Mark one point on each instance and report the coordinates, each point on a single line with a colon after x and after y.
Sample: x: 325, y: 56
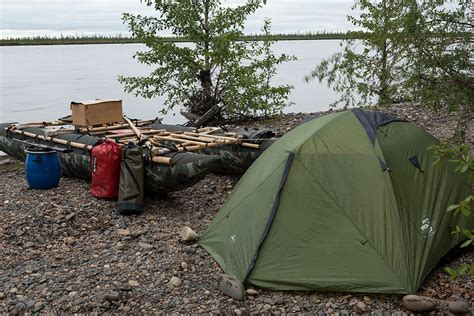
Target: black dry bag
x: 131, y: 187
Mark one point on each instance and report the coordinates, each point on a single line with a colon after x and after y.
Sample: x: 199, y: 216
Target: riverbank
x: 88, y: 40
x: 65, y: 251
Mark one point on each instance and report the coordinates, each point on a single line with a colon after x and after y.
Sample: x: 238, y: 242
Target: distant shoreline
x: 87, y: 40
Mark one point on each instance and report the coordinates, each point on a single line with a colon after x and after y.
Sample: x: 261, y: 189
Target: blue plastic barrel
x: 43, y: 169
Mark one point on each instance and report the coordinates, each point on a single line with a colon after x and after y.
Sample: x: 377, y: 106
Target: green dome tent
x: 349, y: 201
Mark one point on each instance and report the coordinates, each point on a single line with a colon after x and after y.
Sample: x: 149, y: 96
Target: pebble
x: 418, y: 304
x: 19, y: 232
x: 251, y: 292
x: 232, y: 287
x: 72, y: 294
x: 6, y: 162
x: 19, y: 308
x: 28, y: 244
x: 2, y: 295
x: 133, y: 283
x: 175, y: 281
x: 459, y: 307
x: 187, y: 234
x: 362, y: 306
x: 70, y: 216
x: 162, y: 236
x: 145, y: 246
x: 30, y: 303
x: 112, y: 296
x: 123, y: 232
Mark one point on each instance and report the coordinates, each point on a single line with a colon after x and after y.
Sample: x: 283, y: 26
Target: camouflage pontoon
x: 234, y: 159
x: 186, y: 169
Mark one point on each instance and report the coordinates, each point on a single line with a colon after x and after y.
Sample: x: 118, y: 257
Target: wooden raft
x: 159, y: 141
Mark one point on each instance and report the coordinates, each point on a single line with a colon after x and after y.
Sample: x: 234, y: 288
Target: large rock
x: 418, y: 304
x: 232, y: 287
x: 187, y: 234
x: 459, y: 307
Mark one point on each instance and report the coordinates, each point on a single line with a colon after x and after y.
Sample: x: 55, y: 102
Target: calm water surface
x: 38, y: 82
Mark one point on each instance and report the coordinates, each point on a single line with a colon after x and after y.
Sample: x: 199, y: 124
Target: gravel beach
x: 64, y: 251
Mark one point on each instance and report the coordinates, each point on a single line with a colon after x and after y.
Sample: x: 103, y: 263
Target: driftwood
x: 190, y: 116
x: 206, y: 117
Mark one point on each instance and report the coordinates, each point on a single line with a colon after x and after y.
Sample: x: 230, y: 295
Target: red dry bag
x: 105, y: 165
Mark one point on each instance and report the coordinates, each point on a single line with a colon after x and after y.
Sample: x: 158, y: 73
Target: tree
x: 438, y: 40
x: 408, y: 51
x: 462, y: 156
x: 217, y: 68
x: 368, y: 70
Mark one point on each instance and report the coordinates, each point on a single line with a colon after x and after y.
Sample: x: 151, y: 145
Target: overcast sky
x: 70, y: 17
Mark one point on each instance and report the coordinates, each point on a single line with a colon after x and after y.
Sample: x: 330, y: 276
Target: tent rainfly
x: 349, y: 201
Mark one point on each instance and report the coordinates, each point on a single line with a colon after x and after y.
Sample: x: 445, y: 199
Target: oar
x: 58, y: 149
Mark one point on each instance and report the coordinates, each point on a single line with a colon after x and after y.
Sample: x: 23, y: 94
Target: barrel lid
x: 38, y: 150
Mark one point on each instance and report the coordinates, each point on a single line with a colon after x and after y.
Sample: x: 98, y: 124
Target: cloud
x: 46, y: 17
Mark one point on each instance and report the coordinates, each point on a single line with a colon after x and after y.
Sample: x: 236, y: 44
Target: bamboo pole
x: 155, y: 158
x: 179, y: 140
x: 182, y: 147
x: 40, y: 124
x: 153, y: 131
x: 193, y: 138
x: 250, y: 145
x: 210, y: 136
x: 55, y: 132
x: 54, y: 140
x: 238, y: 140
x: 161, y: 159
x: 133, y: 127
x: 207, y: 130
x: 113, y: 127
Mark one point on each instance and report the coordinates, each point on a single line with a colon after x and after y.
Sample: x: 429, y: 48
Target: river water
x: 39, y: 82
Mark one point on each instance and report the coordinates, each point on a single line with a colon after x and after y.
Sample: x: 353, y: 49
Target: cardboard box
x: 96, y: 112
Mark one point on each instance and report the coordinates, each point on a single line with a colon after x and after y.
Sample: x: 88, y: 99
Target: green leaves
x: 409, y: 51
x: 463, y: 269
x: 240, y: 71
x: 462, y: 157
